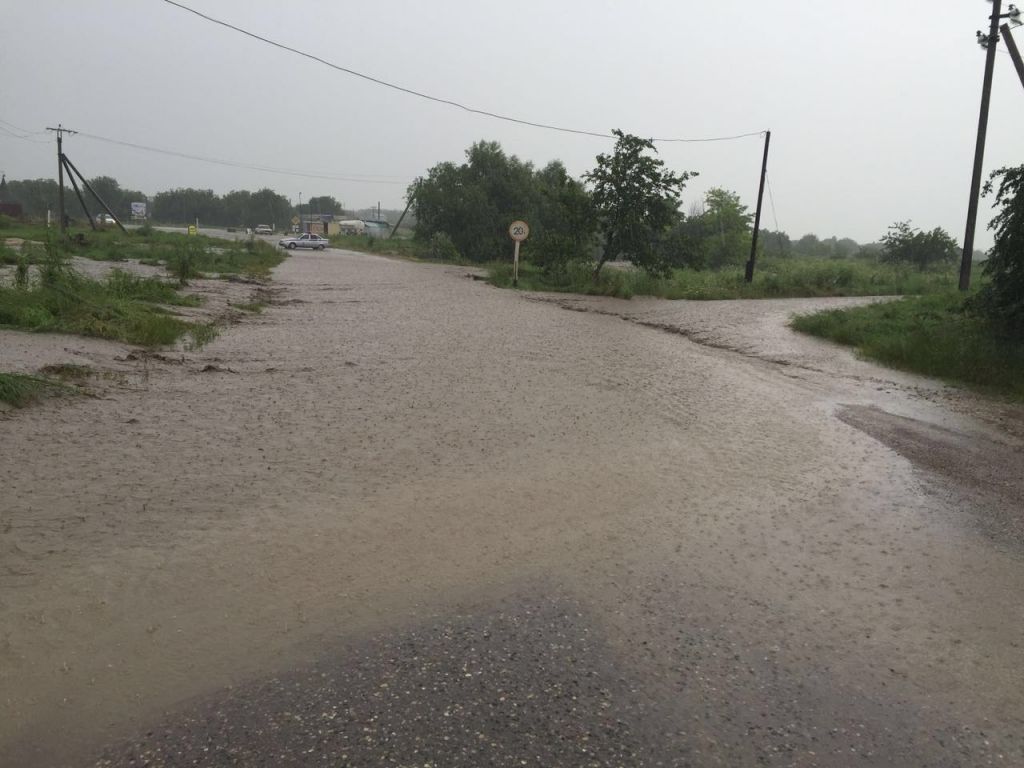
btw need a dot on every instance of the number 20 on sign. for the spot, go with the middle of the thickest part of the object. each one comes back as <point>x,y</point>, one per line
<point>518,231</point>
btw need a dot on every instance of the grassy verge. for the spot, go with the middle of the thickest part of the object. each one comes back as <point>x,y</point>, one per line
<point>931,335</point>
<point>194,255</point>
<point>395,246</point>
<point>122,307</point>
<point>20,389</point>
<point>773,279</point>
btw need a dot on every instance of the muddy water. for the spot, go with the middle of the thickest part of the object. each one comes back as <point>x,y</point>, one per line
<point>391,444</point>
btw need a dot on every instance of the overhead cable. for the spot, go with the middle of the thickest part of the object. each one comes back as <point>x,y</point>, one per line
<point>363,178</point>
<point>439,100</point>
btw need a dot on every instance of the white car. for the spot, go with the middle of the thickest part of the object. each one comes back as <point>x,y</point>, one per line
<point>264,229</point>
<point>304,241</point>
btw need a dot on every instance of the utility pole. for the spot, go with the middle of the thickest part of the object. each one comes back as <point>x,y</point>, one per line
<point>1011,46</point>
<point>757,215</point>
<point>60,130</point>
<point>989,43</point>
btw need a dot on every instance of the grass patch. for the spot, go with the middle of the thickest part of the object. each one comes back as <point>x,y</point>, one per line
<point>199,253</point>
<point>773,279</point>
<point>931,335</point>
<point>122,307</point>
<point>20,389</point>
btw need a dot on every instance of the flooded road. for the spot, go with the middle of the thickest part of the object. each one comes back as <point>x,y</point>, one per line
<point>402,517</point>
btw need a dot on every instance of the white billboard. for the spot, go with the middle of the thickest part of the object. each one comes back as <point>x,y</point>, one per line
<point>138,210</point>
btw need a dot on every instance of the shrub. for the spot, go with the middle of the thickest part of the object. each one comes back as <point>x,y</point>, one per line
<point>442,248</point>
<point>1002,300</point>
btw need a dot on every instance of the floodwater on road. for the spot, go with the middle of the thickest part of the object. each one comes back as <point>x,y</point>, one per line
<point>402,517</point>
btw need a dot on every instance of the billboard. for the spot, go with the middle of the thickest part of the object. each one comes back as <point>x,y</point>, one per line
<point>138,210</point>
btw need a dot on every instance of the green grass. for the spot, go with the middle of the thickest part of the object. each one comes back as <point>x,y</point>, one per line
<point>931,335</point>
<point>122,307</point>
<point>20,389</point>
<point>773,279</point>
<point>150,246</point>
<point>394,246</point>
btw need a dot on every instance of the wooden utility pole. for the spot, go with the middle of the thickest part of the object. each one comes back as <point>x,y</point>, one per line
<point>757,215</point>
<point>60,130</point>
<point>1011,46</point>
<point>88,186</point>
<point>979,148</point>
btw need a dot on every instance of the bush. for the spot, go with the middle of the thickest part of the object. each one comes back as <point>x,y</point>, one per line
<point>442,248</point>
<point>1002,300</point>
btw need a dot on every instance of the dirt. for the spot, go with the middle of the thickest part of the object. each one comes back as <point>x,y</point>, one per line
<point>771,542</point>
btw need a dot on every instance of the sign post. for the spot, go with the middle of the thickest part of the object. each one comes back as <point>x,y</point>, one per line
<point>518,231</point>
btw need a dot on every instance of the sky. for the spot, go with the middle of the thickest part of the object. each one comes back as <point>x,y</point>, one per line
<point>873,105</point>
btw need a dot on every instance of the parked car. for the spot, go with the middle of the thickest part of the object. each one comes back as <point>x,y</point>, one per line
<point>304,241</point>
<point>264,229</point>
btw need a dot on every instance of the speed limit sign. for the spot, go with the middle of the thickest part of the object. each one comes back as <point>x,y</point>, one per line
<point>519,231</point>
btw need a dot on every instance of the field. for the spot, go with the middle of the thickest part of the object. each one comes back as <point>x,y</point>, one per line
<point>773,279</point>
<point>931,335</point>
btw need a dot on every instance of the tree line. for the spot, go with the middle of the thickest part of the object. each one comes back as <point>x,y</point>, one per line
<point>238,208</point>
<point>627,207</point>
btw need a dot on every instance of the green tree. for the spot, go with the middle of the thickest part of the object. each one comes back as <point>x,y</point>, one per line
<point>324,204</point>
<point>183,205</point>
<point>268,207</point>
<point>903,244</point>
<point>37,196</point>
<point>474,203</point>
<point>635,200</point>
<point>727,228</point>
<point>775,244</point>
<point>808,245</point>
<point>565,223</point>
<point>1003,298</point>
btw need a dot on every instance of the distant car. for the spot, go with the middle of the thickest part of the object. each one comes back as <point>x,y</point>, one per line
<point>264,229</point>
<point>105,220</point>
<point>304,241</point>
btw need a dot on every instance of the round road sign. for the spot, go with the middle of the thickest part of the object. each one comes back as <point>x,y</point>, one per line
<point>519,231</point>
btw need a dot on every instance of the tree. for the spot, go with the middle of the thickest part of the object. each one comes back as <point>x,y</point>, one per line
<point>903,244</point>
<point>1002,300</point>
<point>120,200</point>
<point>635,200</point>
<point>808,245</point>
<point>183,205</point>
<point>565,225</point>
<point>775,243</point>
<point>474,203</point>
<point>324,204</point>
<point>727,228</point>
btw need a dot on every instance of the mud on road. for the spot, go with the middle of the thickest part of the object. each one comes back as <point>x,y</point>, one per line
<point>481,529</point>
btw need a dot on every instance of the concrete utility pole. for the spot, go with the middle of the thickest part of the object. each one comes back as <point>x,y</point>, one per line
<point>757,215</point>
<point>979,148</point>
<point>60,130</point>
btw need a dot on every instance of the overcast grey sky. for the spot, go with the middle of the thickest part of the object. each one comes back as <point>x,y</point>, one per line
<point>872,105</point>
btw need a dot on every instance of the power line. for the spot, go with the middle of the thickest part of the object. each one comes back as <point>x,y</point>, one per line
<point>24,136</point>
<point>771,199</point>
<point>366,179</point>
<point>428,97</point>
<point>25,131</point>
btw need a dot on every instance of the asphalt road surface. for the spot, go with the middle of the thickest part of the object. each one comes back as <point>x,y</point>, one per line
<point>403,518</point>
